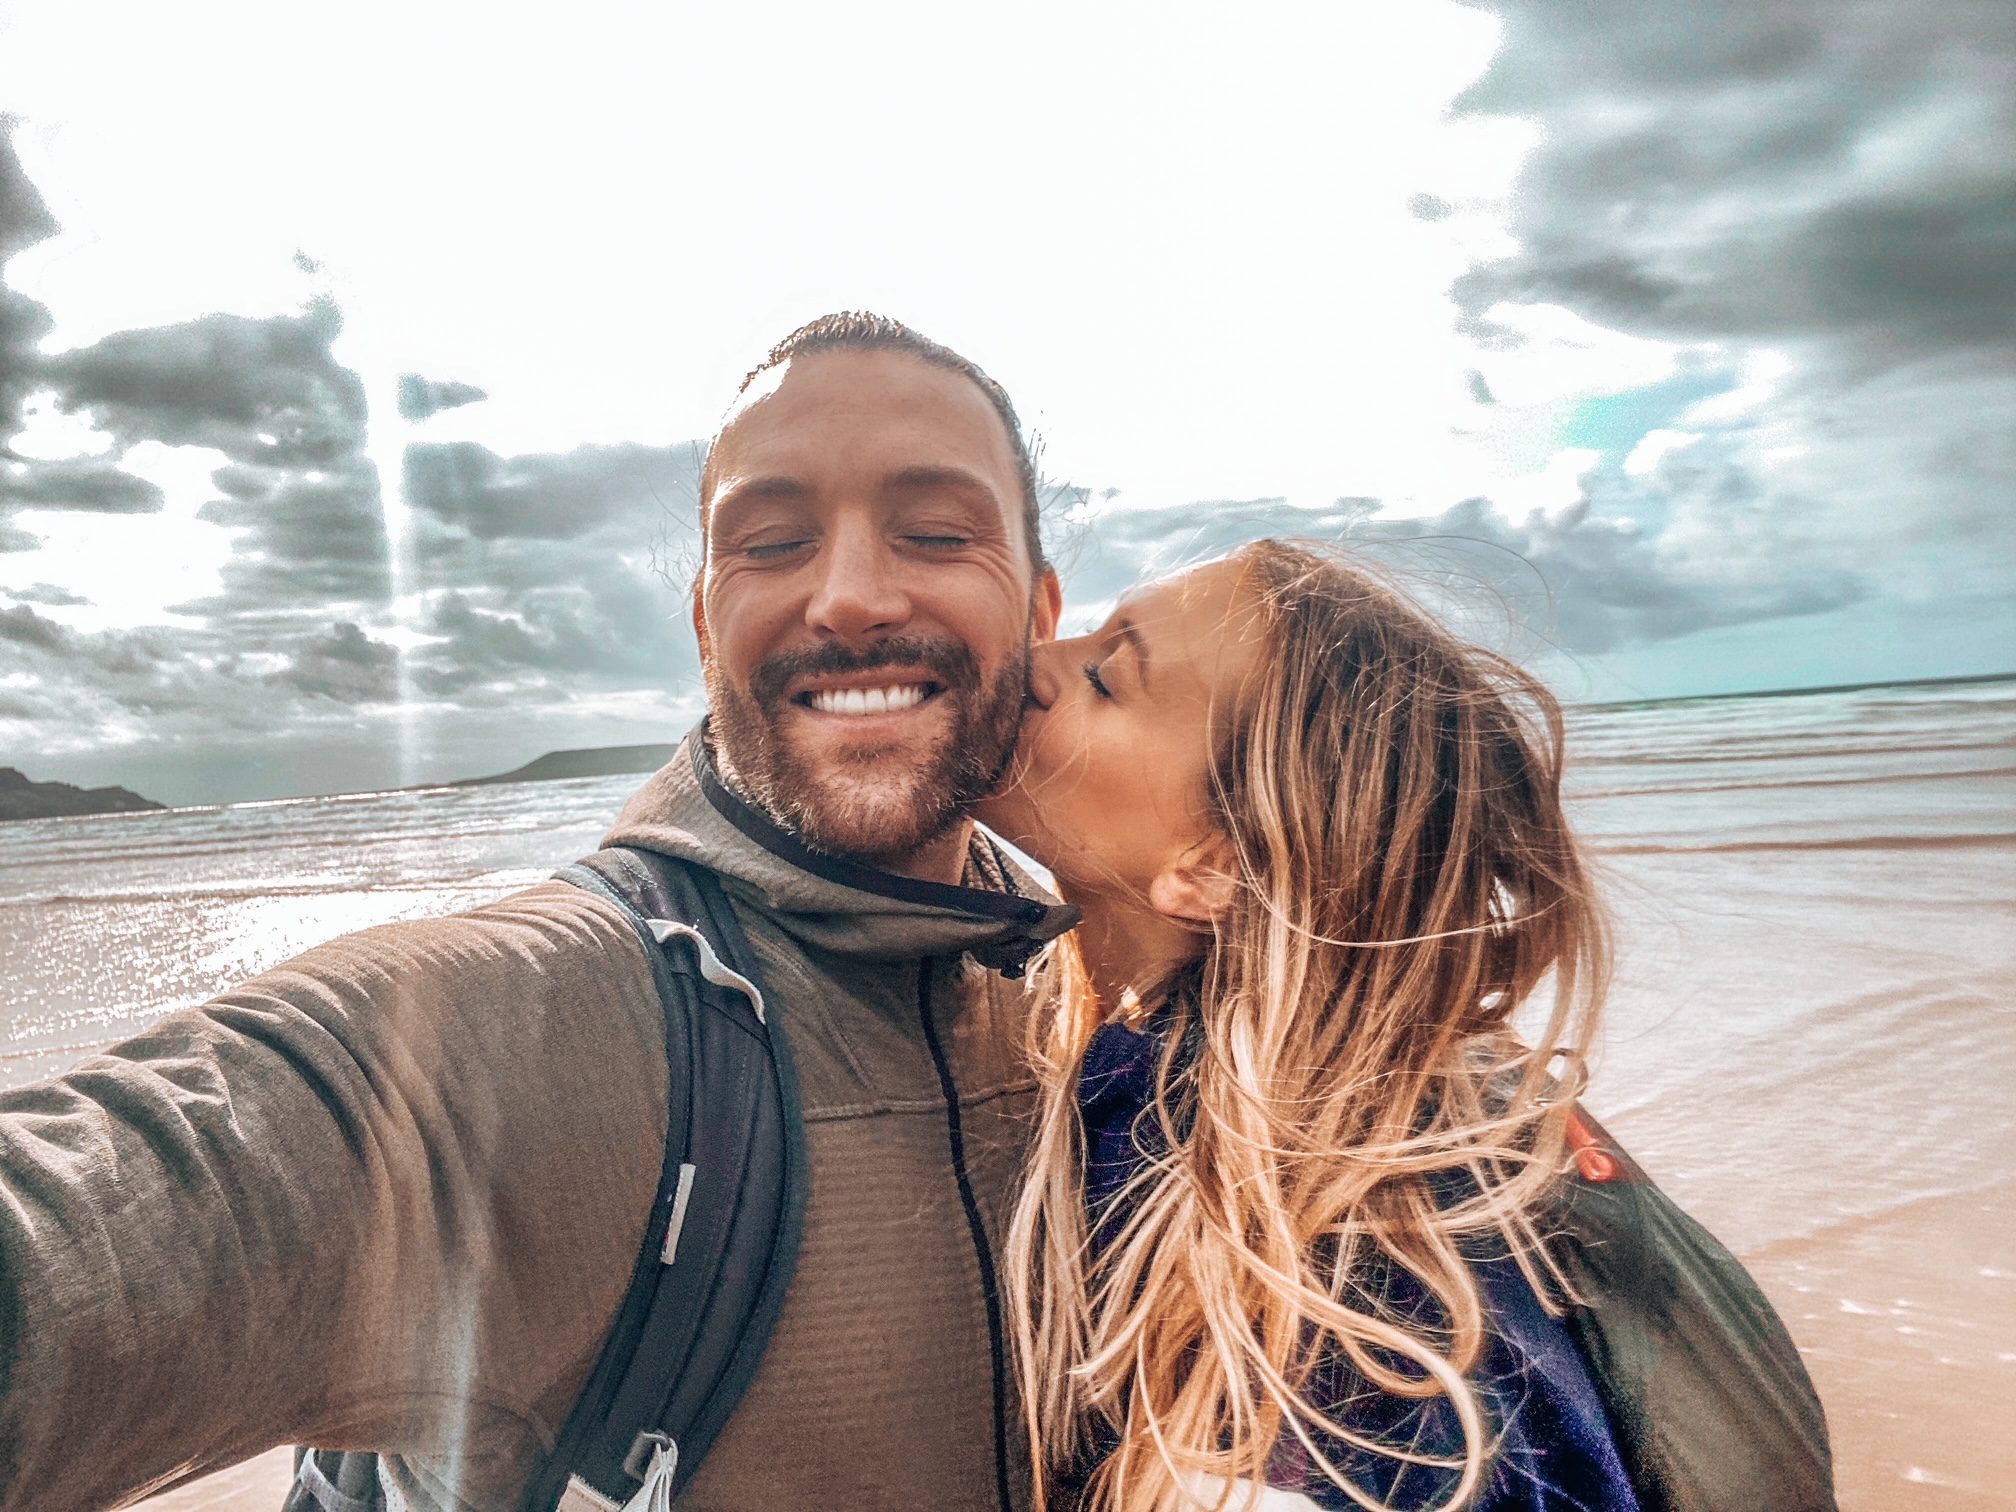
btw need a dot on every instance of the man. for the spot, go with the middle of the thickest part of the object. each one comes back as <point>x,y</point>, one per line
<point>388,1196</point>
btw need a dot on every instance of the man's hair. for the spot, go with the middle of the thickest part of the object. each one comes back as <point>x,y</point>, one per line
<point>864,331</point>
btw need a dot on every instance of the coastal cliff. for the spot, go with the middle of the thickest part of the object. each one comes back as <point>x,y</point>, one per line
<point>22,799</point>
<point>597,761</point>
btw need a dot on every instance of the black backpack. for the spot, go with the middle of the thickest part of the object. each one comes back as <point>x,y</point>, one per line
<point>725,1227</point>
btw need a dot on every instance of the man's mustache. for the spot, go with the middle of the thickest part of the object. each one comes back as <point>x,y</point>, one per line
<point>949,662</point>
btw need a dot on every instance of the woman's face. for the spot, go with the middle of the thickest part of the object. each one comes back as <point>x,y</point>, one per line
<point>1110,784</point>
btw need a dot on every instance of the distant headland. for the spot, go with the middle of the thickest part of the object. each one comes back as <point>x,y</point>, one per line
<point>596,761</point>
<point>23,799</point>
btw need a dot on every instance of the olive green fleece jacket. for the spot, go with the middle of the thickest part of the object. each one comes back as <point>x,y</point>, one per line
<point>388,1196</point>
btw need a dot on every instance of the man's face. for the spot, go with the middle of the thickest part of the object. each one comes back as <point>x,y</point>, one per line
<point>868,600</point>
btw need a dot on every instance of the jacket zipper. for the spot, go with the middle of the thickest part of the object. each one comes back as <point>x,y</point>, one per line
<point>982,1250</point>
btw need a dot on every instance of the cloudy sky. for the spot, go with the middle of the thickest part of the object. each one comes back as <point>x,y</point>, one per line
<point>352,358</point>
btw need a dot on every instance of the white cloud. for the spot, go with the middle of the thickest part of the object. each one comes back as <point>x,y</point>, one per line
<point>134,568</point>
<point>1658,445</point>
<point>1550,353</point>
<point>1554,488</point>
<point>51,435</point>
<point>1764,371</point>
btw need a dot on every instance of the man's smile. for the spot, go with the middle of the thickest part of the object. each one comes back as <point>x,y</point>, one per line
<point>861,699</point>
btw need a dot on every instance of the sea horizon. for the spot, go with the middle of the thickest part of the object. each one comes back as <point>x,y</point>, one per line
<point>505,778</point>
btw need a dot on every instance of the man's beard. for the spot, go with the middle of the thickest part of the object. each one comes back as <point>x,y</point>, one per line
<point>875,806</point>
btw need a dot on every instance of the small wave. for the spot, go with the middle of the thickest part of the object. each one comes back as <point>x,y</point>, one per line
<point>1844,842</point>
<point>252,891</point>
<point>1927,1203</point>
<point>1794,746</point>
<point>1665,789</point>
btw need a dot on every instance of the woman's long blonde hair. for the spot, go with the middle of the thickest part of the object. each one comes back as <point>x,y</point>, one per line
<point>1353,1096</point>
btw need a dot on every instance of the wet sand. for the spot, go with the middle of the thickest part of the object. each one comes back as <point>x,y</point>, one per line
<point>258,1485</point>
<point>1908,1324</point>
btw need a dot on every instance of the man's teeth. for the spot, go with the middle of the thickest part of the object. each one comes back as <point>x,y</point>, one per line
<point>867,700</point>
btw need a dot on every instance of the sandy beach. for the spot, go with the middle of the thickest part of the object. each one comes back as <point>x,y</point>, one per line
<point>1812,1032</point>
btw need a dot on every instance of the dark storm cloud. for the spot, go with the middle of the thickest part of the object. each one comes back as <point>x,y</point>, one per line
<point>421,398</point>
<point>1766,169</point>
<point>545,632</point>
<point>89,484</point>
<point>147,667</point>
<point>267,392</point>
<point>24,218</point>
<point>345,665</point>
<point>547,569</point>
<point>313,537</point>
<point>264,391</point>
<point>1833,181</point>
<point>24,221</point>
<point>185,688</point>
<point>611,627</point>
<point>45,593</point>
<point>22,626</point>
<point>544,496</point>
<point>1578,579</point>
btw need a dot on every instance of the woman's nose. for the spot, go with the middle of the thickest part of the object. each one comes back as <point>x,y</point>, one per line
<point>1047,665</point>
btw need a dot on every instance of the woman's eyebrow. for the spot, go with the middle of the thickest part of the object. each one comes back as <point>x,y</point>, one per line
<point>1130,632</point>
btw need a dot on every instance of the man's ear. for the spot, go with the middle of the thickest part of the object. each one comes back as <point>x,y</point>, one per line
<point>700,620</point>
<point>1048,606</point>
<point>1198,886</point>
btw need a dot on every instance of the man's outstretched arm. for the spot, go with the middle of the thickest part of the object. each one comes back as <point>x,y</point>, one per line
<point>384,1197</point>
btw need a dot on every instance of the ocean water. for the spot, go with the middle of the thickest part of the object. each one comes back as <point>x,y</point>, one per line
<point>1811,1042</point>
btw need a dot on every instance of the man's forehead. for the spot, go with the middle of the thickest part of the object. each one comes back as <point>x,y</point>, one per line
<point>815,401</point>
<point>756,390</point>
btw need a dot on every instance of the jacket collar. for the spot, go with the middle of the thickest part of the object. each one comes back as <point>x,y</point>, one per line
<point>1000,915</point>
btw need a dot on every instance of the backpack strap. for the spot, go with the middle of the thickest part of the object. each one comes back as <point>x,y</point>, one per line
<point>723,1237</point>
<point>334,1480</point>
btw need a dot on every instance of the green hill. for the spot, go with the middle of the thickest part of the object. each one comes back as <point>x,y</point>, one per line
<point>598,761</point>
<point>23,799</point>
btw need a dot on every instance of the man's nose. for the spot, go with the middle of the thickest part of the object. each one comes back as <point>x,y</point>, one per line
<point>861,589</point>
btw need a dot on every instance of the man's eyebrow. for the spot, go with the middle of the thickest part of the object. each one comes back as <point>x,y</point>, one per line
<point>753,489</point>
<point>932,476</point>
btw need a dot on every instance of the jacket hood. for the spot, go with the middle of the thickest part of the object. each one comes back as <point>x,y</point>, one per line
<point>1000,916</point>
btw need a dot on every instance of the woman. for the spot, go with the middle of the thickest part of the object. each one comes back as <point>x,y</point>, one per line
<point>1294,1214</point>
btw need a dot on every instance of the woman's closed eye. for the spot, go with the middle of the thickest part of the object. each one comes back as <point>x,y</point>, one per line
<point>1098,683</point>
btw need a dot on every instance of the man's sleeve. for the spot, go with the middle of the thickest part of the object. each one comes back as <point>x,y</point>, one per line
<point>385,1197</point>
